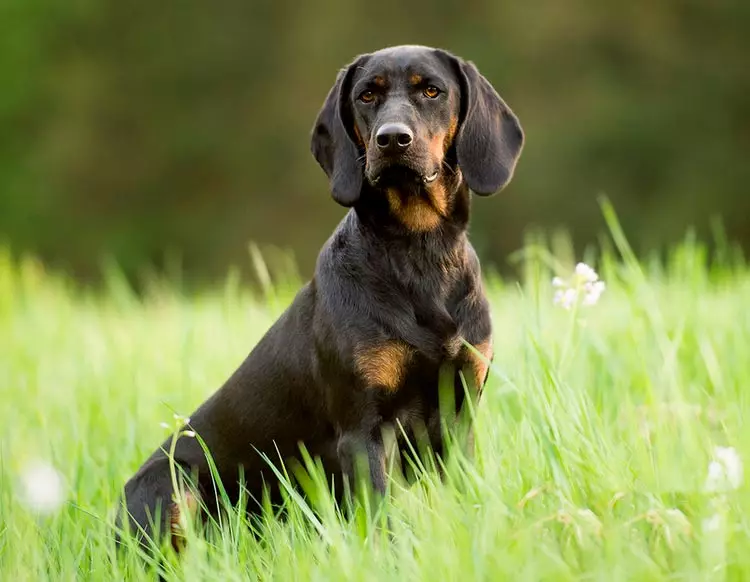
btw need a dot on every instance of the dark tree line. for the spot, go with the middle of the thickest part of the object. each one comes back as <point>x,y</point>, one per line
<point>136,129</point>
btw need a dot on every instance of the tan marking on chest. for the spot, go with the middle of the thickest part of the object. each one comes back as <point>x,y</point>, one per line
<point>383,365</point>
<point>479,365</point>
<point>417,213</point>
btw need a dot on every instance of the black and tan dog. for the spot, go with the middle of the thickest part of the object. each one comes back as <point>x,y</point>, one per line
<point>404,136</point>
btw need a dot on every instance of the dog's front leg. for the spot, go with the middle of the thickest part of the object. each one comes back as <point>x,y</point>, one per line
<point>363,453</point>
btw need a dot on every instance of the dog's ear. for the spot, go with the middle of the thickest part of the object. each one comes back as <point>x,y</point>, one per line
<point>490,138</point>
<point>332,143</point>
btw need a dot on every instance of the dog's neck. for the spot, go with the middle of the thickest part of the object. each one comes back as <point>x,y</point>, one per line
<point>417,213</point>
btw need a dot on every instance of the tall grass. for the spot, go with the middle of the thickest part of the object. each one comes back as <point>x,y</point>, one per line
<point>592,444</point>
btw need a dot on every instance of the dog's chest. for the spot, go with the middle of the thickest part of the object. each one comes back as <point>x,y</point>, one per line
<point>396,365</point>
<point>406,387</point>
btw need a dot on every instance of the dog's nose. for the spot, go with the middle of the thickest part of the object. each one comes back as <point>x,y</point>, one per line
<point>394,137</point>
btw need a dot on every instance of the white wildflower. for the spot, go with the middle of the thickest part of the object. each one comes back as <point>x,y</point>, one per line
<point>592,292</point>
<point>181,419</point>
<point>179,423</point>
<point>41,488</point>
<point>584,285</point>
<point>566,297</point>
<point>179,426</point>
<point>585,273</point>
<point>724,470</point>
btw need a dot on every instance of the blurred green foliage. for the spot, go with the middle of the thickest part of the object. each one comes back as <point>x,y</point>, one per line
<point>143,130</point>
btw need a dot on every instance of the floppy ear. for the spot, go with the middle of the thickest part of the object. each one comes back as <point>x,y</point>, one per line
<point>490,137</point>
<point>332,144</point>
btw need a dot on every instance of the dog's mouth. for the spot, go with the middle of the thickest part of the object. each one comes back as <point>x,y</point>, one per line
<point>396,175</point>
<point>431,178</point>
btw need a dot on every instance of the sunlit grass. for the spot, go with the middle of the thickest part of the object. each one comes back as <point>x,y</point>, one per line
<point>593,440</point>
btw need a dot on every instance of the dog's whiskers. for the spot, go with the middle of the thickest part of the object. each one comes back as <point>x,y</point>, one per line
<point>447,166</point>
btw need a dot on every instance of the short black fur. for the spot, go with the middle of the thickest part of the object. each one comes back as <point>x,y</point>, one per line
<point>396,290</point>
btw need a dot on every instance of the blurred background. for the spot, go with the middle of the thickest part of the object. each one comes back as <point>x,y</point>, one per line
<point>177,132</point>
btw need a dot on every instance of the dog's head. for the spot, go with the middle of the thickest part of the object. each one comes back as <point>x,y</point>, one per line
<point>409,115</point>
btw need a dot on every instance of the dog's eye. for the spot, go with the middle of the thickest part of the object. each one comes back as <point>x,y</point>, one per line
<point>431,92</point>
<point>367,97</point>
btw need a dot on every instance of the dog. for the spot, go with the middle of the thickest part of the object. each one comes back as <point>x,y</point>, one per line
<point>405,135</point>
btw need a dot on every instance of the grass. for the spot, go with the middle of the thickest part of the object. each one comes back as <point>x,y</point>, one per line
<point>592,447</point>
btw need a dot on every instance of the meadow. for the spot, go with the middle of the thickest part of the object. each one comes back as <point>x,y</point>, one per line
<point>608,445</point>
